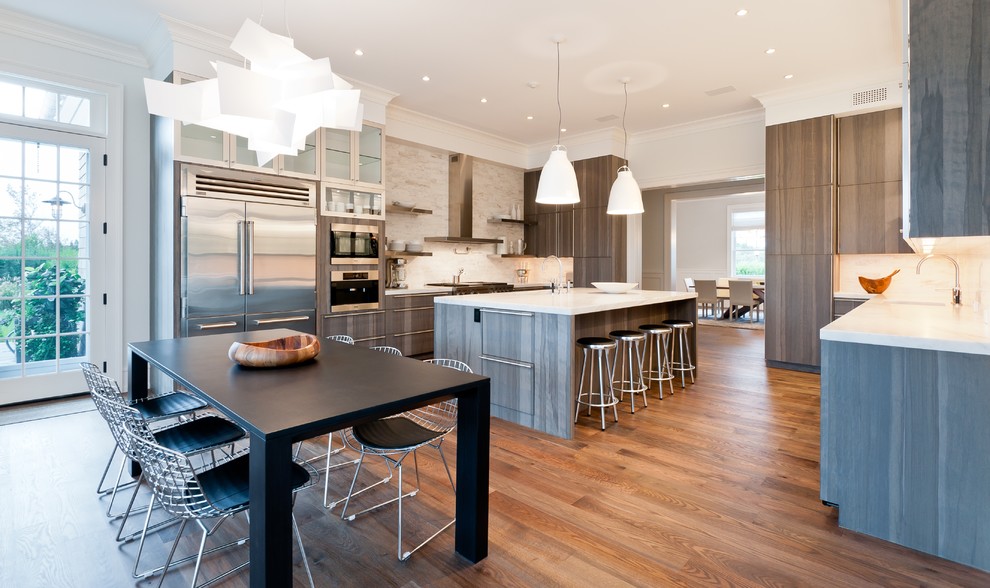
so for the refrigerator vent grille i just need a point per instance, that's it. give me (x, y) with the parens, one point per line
(246, 186)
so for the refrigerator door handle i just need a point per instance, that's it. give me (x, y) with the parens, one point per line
(249, 265)
(240, 258)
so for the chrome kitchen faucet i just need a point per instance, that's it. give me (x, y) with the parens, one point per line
(956, 291)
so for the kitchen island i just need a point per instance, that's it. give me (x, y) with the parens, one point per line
(904, 425)
(525, 342)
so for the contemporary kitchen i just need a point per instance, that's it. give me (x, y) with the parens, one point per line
(663, 295)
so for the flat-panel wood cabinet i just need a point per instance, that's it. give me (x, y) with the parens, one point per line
(799, 304)
(410, 322)
(367, 328)
(799, 220)
(949, 118)
(869, 219)
(801, 153)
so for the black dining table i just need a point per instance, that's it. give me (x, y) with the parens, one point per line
(343, 386)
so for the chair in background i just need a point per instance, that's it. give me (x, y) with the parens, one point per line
(216, 492)
(741, 296)
(342, 339)
(708, 299)
(689, 284)
(387, 349)
(396, 437)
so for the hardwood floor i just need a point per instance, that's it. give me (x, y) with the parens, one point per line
(716, 485)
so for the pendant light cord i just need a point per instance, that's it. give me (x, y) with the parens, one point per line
(625, 107)
(560, 114)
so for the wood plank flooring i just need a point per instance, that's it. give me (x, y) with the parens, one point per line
(716, 485)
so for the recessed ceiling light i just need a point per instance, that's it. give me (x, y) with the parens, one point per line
(665, 106)
(563, 130)
(788, 76)
(742, 12)
(770, 51)
(484, 100)
(426, 78)
(530, 117)
(358, 52)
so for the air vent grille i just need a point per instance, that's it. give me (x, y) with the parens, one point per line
(869, 96)
(233, 185)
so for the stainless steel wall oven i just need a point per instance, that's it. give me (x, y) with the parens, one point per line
(353, 244)
(354, 290)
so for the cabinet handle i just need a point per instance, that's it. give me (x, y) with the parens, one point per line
(369, 339)
(216, 325)
(512, 312)
(412, 309)
(521, 364)
(410, 333)
(288, 319)
(412, 295)
(326, 316)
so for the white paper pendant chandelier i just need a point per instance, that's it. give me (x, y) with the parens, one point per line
(275, 102)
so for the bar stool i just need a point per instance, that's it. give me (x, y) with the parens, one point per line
(629, 361)
(657, 350)
(600, 347)
(680, 328)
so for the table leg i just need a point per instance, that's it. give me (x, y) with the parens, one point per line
(271, 512)
(473, 432)
(137, 389)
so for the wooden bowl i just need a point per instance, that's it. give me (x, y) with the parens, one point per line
(876, 285)
(276, 352)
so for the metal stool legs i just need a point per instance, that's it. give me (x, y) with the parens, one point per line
(657, 360)
(604, 396)
(683, 363)
(629, 364)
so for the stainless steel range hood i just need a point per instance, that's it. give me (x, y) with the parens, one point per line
(460, 194)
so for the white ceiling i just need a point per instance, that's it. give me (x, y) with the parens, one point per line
(673, 51)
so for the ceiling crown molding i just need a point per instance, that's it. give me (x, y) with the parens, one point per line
(745, 117)
(428, 130)
(33, 29)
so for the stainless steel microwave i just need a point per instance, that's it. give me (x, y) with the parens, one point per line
(353, 244)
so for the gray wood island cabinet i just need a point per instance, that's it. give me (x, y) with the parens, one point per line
(905, 441)
(525, 342)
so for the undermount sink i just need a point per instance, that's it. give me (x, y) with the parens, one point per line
(916, 302)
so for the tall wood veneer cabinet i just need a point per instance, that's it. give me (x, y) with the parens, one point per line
(584, 231)
(949, 118)
(869, 192)
(800, 200)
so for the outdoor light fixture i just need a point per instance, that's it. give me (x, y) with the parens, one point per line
(57, 202)
(558, 182)
(275, 102)
(625, 197)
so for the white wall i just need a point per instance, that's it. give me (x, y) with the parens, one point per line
(65, 55)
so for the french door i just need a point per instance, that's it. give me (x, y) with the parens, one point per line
(52, 261)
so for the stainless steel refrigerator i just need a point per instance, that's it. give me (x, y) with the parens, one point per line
(246, 266)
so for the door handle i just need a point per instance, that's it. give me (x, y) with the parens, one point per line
(288, 319)
(241, 289)
(216, 325)
(250, 256)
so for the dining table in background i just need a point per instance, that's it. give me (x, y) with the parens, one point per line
(343, 386)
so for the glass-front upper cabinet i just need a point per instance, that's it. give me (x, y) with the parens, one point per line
(198, 144)
(354, 156)
(244, 158)
(305, 163)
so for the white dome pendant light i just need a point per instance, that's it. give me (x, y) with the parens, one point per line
(625, 197)
(558, 182)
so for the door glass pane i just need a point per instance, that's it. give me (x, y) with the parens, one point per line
(337, 153)
(45, 258)
(370, 155)
(305, 161)
(10, 157)
(244, 156)
(200, 142)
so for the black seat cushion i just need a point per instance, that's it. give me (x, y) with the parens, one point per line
(654, 327)
(209, 431)
(168, 405)
(227, 485)
(624, 334)
(589, 341)
(393, 433)
(678, 323)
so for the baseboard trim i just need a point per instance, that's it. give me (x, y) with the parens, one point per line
(797, 367)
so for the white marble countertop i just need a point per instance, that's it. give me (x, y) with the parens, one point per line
(853, 295)
(577, 301)
(915, 323)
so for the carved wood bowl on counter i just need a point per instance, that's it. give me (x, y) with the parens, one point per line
(876, 285)
(276, 352)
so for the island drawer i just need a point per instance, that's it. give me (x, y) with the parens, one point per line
(512, 383)
(507, 334)
(366, 327)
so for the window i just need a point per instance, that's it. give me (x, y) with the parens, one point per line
(40, 103)
(747, 241)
